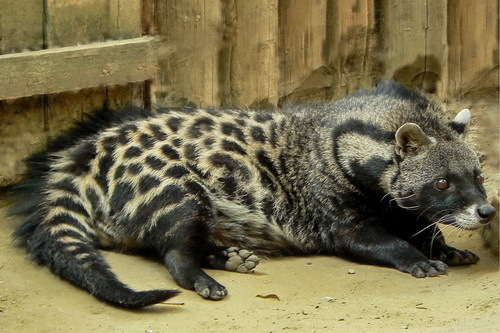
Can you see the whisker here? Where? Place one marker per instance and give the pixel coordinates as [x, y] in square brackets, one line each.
[435, 233]
[425, 228]
[441, 211]
[408, 196]
[420, 215]
[410, 207]
[387, 194]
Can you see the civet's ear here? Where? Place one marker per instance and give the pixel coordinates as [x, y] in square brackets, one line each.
[461, 123]
[409, 139]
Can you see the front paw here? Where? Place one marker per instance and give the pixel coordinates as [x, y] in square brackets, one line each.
[455, 257]
[428, 268]
[210, 289]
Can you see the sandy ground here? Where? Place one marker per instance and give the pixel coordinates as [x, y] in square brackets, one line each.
[316, 294]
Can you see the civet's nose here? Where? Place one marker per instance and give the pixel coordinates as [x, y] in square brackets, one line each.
[486, 212]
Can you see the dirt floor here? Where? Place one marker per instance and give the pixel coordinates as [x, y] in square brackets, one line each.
[316, 294]
[313, 294]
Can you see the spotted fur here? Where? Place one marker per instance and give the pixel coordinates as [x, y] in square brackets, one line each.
[355, 178]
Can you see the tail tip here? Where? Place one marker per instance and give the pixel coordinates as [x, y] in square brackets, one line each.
[141, 299]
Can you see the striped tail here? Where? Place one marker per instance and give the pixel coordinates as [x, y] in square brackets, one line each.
[61, 243]
[75, 259]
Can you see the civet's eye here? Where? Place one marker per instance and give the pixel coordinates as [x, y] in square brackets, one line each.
[480, 179]
[442, 184]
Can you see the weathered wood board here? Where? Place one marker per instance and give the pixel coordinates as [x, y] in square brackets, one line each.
[58, 70]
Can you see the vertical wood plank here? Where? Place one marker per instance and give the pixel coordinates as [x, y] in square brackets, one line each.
[75, 22]
[148, 17]
[414, 43]
[351, 43]
[124, 19]
[302, 29]
[22, 126]
[16, 36]
[193, 27]
[22, 132]
[254, 64]
[473, 58]
[69, 23]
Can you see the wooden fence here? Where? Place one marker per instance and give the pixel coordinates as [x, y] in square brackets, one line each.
[62, 59]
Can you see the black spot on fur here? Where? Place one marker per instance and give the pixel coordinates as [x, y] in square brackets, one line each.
[146, 140]
[170, 195]
[177, 142]
[258, 134]
[262, 117]
[226, 161]
[155, 162]
[132, 152]
[200, 173]
[123, 193]
[268, 208]
[123, 137]
[124, 131]
[247, 199]
[135, 168]
[170, 152]
[176, 171]
[190, 152]
[231, 129]
[209, 142]
[147, 183]
[233, 147]
[109, 143]
[174, 124]
[267, 163]
[119, 172]
[266, 181]
[129, 127]
[199, 126]
[274, 136]
[199, 192]
[229, 184]
[241, 122]
[158, 132]
[104, 164]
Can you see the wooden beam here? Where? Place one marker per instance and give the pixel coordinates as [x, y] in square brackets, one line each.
[77, 67]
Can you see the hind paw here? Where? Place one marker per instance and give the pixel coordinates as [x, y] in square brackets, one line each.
[232, 259]
[242, 261]
[428, 268]
[239, 260]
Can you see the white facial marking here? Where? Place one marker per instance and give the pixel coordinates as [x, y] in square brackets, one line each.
[468, 218]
